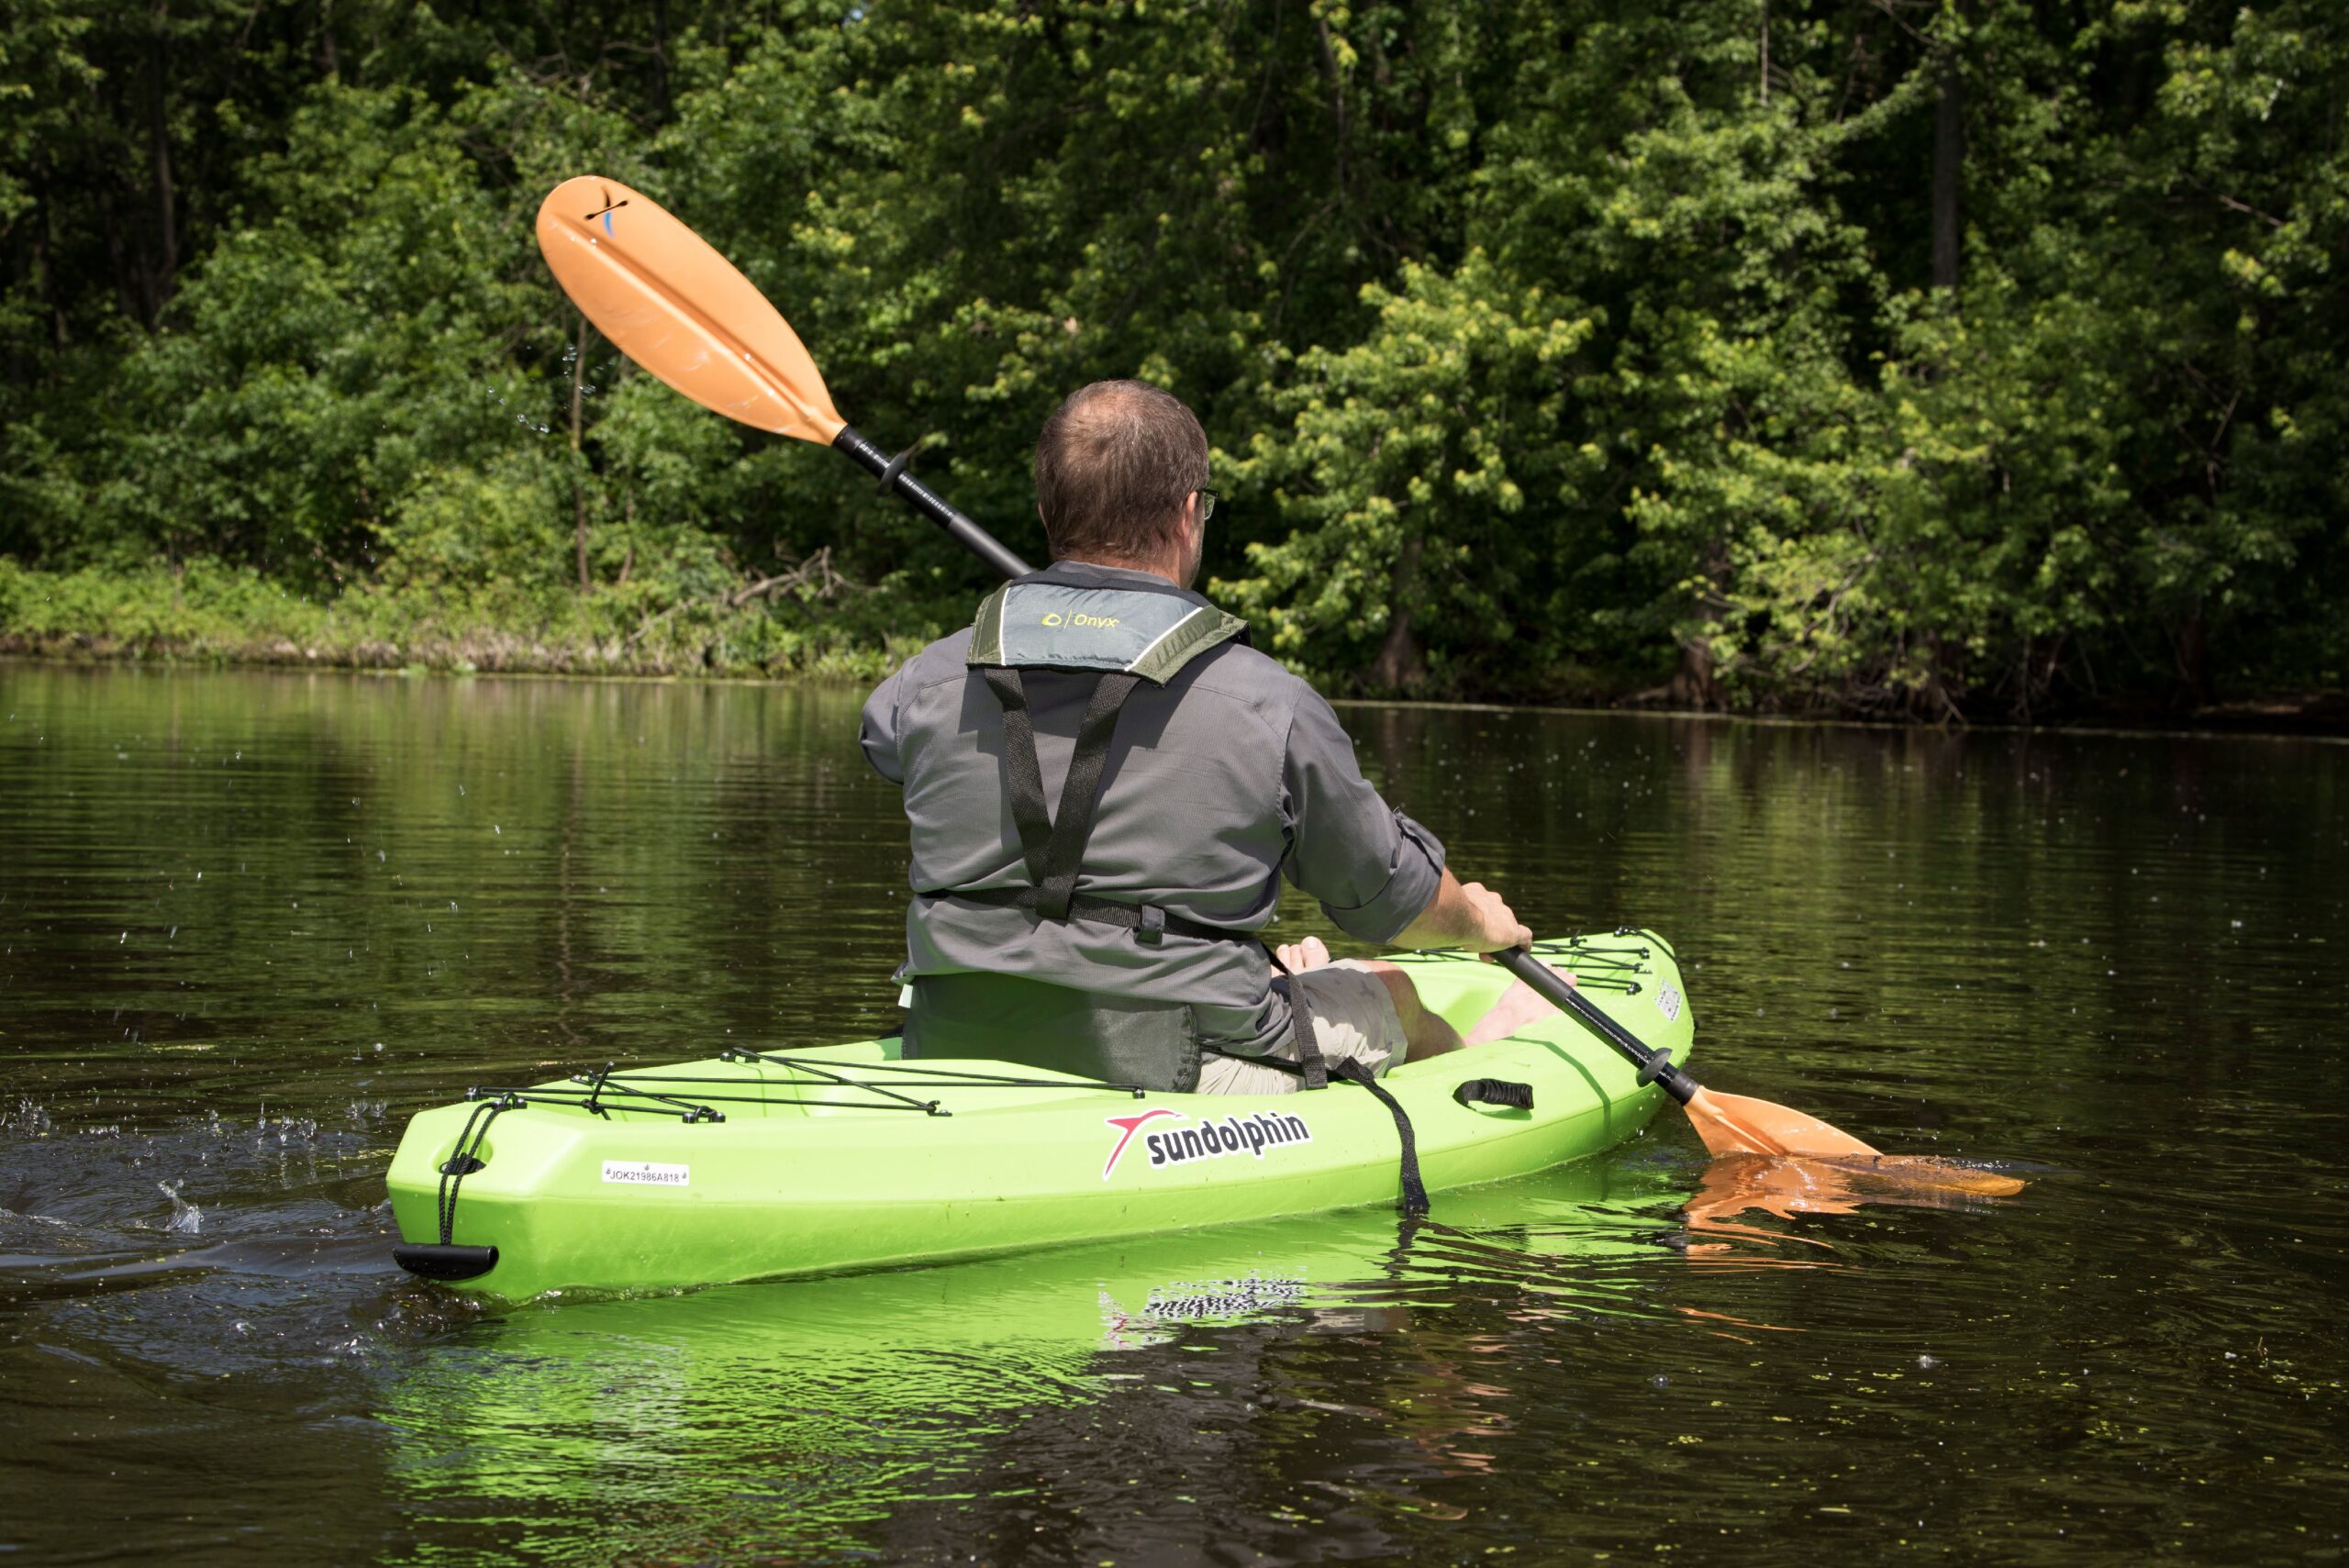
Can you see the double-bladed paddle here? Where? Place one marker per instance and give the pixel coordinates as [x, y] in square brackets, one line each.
[670, 301]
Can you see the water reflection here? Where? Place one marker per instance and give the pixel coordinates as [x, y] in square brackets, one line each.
[249, 923]
[917, 1384]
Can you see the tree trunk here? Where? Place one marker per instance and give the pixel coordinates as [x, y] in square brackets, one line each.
[1694, 684]
[661, 62]
[578, 471]
[1697, 682]
[167, 229]
[45, 279]
[1398, 666]
[329, 65]
[126, 272]
[1949, 170]
[2195, 687]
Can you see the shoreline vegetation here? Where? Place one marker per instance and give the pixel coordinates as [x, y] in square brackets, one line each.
[208, 618]
[1945, 363]
[208, 614]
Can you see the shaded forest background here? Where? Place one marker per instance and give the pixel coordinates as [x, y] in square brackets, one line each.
[1975, 359]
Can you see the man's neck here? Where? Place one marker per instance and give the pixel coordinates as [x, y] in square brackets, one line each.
[1166, 569]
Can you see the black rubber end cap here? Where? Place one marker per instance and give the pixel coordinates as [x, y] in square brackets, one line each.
[432, 1261]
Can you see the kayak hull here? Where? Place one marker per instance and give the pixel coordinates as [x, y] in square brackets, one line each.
[800, 1179]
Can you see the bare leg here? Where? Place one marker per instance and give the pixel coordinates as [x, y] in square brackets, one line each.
[1424, 1026]
[1430, 1035]
[1516, 1008]
[1427, 1031]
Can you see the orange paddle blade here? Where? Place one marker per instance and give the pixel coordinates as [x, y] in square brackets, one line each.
[1789, 1184]
[677, 307]
[1731, 1124]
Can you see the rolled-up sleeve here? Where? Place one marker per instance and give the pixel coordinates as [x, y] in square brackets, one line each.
[878, 734]
[1373, 868]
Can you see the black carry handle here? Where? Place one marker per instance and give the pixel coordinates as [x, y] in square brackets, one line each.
[1656, 1066]
[429, 1261]
[892, 474]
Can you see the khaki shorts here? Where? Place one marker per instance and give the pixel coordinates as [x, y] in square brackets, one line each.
[1353, 1016]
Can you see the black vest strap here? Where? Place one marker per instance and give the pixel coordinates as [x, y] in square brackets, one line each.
[1053, 846]
[1310, 1061]
[1055, 849]
[1150, 924]
[1022, 775]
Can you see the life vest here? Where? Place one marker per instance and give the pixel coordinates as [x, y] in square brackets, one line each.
[1125, 635]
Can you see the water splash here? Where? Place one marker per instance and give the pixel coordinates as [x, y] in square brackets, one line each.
[187, 1218]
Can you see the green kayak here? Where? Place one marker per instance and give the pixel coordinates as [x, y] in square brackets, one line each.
[766, 1165]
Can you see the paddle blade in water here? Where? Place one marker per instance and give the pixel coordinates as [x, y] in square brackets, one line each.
[1731, 1124]
[1788, 1185]
[681, 310]
[1791, 1184]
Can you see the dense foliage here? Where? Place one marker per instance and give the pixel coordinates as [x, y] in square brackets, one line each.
[1971, 357]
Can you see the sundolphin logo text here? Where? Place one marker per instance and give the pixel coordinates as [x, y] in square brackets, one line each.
[1209, 1140]
[1233, 1135]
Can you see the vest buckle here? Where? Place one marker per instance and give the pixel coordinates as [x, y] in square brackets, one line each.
[1151, 929]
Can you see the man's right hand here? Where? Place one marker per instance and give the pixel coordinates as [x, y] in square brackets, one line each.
[1464, 915]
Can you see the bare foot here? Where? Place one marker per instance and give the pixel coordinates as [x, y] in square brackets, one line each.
[1518, 1006]
[1310, 954]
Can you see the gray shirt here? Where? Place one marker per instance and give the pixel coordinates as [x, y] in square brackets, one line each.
[1232, 774]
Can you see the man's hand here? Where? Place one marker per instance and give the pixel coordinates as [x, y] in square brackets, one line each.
[1496, 925]
[1464, 915]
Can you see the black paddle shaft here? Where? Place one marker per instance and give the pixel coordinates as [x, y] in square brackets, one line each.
[890, 473]
[1656, 1066]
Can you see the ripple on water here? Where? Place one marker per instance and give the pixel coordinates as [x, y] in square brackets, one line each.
[248, 924]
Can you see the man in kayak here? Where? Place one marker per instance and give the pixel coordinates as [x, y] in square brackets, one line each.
[1106, 785]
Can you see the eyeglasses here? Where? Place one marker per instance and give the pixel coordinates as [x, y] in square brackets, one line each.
[1206, 503]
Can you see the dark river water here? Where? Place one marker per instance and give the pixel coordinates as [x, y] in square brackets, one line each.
[252, 921]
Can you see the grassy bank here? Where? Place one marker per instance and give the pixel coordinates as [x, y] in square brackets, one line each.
[207, 612]
[806, 625]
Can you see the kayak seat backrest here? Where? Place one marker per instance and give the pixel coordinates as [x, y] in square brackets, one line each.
[1153, 1045]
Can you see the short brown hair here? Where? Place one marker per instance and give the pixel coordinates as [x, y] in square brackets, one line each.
[1113, 465]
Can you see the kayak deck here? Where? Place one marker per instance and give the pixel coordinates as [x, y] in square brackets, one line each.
[757, 1165]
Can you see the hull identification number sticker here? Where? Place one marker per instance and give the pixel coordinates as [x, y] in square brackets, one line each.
[1668, 1002]
[645, 1174]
